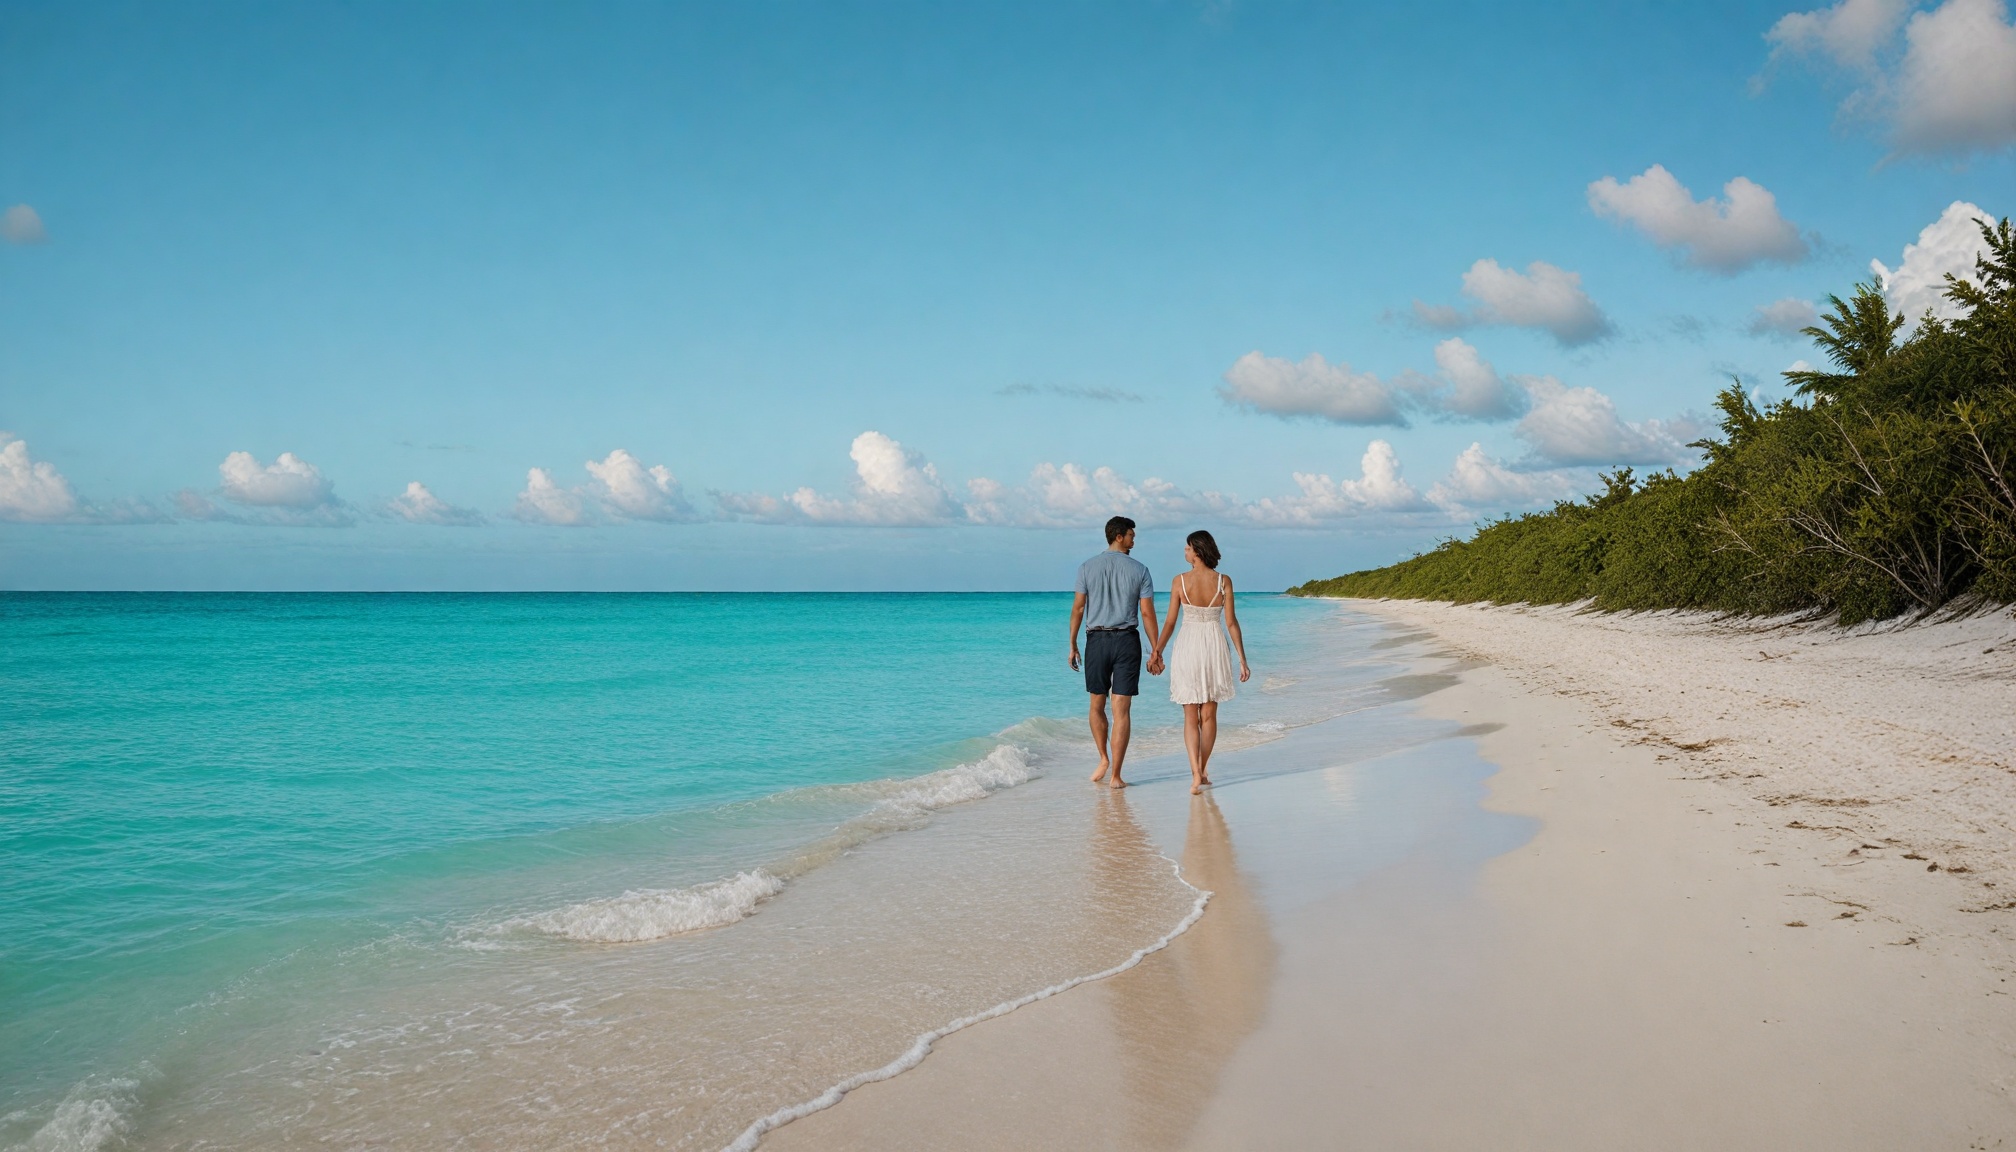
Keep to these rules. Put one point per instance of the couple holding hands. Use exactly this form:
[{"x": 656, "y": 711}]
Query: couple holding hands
[{"x": 1115, "y": 594}]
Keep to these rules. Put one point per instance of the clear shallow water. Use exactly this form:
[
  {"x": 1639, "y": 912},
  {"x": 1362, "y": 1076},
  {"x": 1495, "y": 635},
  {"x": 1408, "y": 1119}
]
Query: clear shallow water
[{"x": 301, "y": 868}]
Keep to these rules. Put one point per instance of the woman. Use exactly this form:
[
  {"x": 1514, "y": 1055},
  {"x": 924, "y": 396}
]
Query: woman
[{"x": 1200, "y": 663}]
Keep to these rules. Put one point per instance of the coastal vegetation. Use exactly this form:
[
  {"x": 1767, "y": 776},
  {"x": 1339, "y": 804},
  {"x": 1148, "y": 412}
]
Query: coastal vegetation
[{"x": 1886, "y": 485}]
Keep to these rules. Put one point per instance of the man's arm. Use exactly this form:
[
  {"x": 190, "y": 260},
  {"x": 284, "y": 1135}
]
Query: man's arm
[
  {"x": 1154, "y": 637},
  {"x": 1077, "y": 618}
]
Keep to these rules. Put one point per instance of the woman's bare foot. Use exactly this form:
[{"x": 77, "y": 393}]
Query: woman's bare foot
[
  {"x": 1196, "y": 789},
  {"x": 1204, "y": 781},
  {"x": 1100, "y": 774},
  {"x": 1119, "y": 783}
]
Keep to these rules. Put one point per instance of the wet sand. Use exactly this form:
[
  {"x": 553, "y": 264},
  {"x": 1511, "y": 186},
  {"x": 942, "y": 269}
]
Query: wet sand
[{"x": 1607, "y": 945}]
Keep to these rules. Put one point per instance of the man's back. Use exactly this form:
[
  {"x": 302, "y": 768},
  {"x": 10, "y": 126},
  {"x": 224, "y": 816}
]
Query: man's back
[{"x": 1114, "y": 584}]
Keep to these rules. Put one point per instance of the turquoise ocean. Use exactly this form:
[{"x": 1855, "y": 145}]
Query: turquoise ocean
[{"x": 546, "y": 870}]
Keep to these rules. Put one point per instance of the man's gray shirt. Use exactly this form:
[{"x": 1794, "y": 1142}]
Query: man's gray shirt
[{"x": 1114, "y": 585}]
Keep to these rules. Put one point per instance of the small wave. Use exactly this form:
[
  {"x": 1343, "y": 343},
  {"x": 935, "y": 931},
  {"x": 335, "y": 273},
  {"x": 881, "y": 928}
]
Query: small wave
[
  {"x": 653, "y": 914},
  {"x": 95, "y": 1114},
  {"x": 753, "y": 1135}
]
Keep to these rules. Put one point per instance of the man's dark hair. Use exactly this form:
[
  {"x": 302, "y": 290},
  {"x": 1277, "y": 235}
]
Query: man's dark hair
[{"x": 1117, "y": 527}]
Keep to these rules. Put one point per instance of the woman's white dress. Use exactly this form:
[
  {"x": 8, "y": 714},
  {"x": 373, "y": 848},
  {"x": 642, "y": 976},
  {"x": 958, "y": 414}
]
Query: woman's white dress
[{"x": 1200, "y": 658}]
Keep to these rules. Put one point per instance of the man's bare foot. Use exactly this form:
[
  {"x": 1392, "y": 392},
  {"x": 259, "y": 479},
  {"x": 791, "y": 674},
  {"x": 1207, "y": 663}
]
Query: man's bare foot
[
  {"x": 1119, "y": 783},
  {"x": 1196, "y": 789},
  {"x": 1100, "y": 774},
  {"x": 1204, "y": 781}
]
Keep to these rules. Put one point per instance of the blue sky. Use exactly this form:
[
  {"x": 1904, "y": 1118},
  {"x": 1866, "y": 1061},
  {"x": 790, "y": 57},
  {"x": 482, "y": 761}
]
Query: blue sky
[{"x": 449, "y": 244}]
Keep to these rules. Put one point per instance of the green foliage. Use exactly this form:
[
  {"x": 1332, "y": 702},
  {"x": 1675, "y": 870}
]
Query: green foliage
[{"x": 1890, "y": 487}]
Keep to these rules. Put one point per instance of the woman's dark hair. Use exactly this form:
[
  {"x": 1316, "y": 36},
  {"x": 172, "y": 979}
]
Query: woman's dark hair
[{"x": 1206, "y": 548}]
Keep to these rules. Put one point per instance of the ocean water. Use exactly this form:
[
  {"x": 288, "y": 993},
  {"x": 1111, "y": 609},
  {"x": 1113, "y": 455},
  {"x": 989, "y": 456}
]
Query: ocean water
[{"x": 544, "y": 870}]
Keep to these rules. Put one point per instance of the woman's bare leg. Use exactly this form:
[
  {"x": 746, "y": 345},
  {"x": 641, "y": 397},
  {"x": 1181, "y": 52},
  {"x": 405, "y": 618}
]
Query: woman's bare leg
[
  {"x": 1193, "y": 741},
  {"x": 1207, "y": 738}
]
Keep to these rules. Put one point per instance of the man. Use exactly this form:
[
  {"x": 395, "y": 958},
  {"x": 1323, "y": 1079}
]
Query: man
[{"x": 1115, "y": 593}]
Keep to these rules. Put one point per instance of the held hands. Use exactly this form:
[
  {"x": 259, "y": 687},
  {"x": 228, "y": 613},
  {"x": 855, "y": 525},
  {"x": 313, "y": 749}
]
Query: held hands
[{"x": 1155, "y": 664}]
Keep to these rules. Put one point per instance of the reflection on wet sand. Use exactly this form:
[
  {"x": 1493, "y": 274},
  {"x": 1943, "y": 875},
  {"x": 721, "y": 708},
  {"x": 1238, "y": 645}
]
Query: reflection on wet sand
[
  {"x": 1124, "y": 1064},
  {"x": 1181, "y": 1014}
]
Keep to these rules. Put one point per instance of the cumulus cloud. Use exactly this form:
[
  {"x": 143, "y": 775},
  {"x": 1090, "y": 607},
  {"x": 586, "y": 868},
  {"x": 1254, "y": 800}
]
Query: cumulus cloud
[
  {"x": 1476, "y": 482},
  {"x": 1786, "y": 319},
  {"x": 1727, "y": 235},
  {"x": 1063, "y": 496},
  {"x": 1464, "y": 386},
  {"x": 32, "y": 490},
  {"x": 1956, "y": 89},
  {"x": 1475, "y": 390},
  {"x": 893, "y": 486},
  {"x": 289, "y": 493},
  {"x": 1950, "y": 86},
  {"x": 623, "y": 485},
  {"x": 1949, "y": 244},
  {"x": 1849, "y": 33},
  {"x": 22, "y": 225},
  {"x": 418, "y": 505},
  {"x": 1313, "y": 387},
  {"x": 545, "y": 502},
  {"x": 288, "y": 482},
  {"x": 1543, "y": 297},
  {"x": 1581, "y": 426}
]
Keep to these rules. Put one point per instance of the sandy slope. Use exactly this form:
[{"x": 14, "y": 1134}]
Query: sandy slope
[
  {"x": 1768, "y": 906},
  {"x": 1875, "y": 742}
]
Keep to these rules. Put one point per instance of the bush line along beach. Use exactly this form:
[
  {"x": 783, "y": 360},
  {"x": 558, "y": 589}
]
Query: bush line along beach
[{"x": 1888, "y": 486}]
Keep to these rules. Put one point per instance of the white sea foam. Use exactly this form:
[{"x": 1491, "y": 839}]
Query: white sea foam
[
  {"x": 95, "y": 1114},
  {"x": 753, "y": 1135},
  {"x": 653, "y": 914}
]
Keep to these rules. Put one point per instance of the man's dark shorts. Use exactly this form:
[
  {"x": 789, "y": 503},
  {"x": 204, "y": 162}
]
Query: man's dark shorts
[{"x": 1113, "y": 662}]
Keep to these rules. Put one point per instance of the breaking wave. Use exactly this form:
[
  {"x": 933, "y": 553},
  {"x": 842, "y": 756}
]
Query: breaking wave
[{"x": 894, "y": 805}]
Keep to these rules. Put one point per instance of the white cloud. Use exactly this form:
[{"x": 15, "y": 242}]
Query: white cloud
[
  {"x": 1727, "y": 235},
  {"x": 1849, "y": 33},
  {"x": 288, "y": 493},
  {"x": 544, "y": 502},
  {"x": 32, "y": 490},
  {"x": 1475, "y": 388},
  {"x": 1314, "y": 387},
  {"x": 418, "y": 505},
  {"x": 288, "y": 482},
  {"x": 892, "y": 487},
  {"x": 1951, "y": 85},
  {"x": 1464, "y": 387},
  {"x": 1476, "y": 482},
  {"x": 1581, "y": 426},
  {"x": 626, "y": 488},
  {"x": 1956, "y": 89},
  {"x": 1544, "y": 297},
  {"x": 1060, "y": 496},
  {"x": 22, "y": 225},
  {"x": 1949, "y": 244},
  {"x": 1066, "y": 495},
  {"x": 1787, "y": 318}
]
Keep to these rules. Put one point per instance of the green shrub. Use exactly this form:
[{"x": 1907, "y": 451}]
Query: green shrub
[{"x": 1890, "y": 487}]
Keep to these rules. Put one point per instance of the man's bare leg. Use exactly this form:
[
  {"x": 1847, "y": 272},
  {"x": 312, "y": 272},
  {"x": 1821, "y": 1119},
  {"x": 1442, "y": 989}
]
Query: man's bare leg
[
  {"x": 1123, "y": 727},
  {"x": 1098, "y": 718}
]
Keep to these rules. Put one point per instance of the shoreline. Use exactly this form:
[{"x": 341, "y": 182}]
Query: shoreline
[{"x": 1667, "y": 961}]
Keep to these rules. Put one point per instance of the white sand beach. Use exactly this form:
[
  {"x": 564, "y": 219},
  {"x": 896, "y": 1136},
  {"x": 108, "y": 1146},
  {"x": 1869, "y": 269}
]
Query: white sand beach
[{"x": 1766, "y": 902}]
